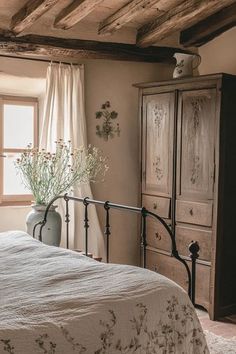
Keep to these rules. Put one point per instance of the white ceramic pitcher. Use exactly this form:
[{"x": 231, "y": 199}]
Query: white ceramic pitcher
[{"x": 185, "y": 64}]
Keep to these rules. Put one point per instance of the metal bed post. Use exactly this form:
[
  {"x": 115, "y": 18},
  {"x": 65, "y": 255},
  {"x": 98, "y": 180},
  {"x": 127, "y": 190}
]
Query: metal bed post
[
  {"x": 144, "y": 236},
  {"x": 67, "y": 220},
  {"x": 107, "y": 229},
  {"x": 194, "y": 249},
  {"x": 86, "y": 224}
]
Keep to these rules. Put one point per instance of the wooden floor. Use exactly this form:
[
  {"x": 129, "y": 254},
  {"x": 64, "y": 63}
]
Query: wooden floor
[{"x": 225, "y": 327}]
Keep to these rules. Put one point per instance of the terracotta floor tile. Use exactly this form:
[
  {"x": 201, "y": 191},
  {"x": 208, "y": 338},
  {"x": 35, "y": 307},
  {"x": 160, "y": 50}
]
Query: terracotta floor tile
[{"x": 225, "y": 327}]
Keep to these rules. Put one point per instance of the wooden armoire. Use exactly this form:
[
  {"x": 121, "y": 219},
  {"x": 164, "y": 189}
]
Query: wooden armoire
[{"x": 188, "y": 175}]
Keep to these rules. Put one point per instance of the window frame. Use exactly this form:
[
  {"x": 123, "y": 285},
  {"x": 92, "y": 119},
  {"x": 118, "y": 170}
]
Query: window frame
[{"x": 24, "y": 199}]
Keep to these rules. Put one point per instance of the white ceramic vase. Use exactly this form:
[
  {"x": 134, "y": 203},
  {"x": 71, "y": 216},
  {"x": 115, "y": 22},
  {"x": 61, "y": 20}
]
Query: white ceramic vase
[
  {"x": 51, "y": 232},
  {"x": 185, "y": 64}
]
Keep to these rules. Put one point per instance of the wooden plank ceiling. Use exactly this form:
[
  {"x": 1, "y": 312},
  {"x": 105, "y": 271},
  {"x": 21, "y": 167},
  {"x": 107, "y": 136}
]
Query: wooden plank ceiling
[{"x": 137, "y": 30}]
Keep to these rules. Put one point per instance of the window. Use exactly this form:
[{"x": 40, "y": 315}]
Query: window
[{"x": 18, "y": 128}]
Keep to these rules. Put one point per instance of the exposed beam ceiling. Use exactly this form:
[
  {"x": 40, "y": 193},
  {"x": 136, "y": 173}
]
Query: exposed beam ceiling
[
  {"x": 198, "y": 21},
  {"x": 75, "y": 12},
  {"x": 211, "y": 27},
  {"x": 178, "y": 18},
  {"x": 29, "y": 14},
  {"x": 124, "y": 15},
  {"x": 58, "y": 48}
]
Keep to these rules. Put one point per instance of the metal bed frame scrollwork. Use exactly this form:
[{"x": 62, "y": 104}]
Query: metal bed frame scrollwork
[{"x": 193, "y": 247}]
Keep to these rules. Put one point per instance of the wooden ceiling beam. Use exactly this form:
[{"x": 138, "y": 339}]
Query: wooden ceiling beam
[
  {"x": 29, "y": 14},
  {"x": 59, "y": 48},
  {"x": 124, "y": 15},
  {"x": 211, "y": 27},
  {"x": 178, "y": 18},
  {"x": 75, "y": 12}
]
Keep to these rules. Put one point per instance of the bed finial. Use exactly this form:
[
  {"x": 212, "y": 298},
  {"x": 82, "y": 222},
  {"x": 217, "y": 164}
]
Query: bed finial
[{"x": 193, "y": 249}]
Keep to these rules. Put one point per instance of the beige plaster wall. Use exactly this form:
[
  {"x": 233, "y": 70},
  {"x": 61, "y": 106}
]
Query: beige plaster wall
[
  {"x": 112, "y": 81},
  {"x": 219, "y": 55},
  {"x": 13, "y": 218}
]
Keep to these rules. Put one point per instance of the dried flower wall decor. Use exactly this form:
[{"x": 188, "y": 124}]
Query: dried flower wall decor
[{"x": 107, "y": 128}]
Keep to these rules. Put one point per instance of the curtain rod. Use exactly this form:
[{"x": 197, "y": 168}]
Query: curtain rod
[{"x": 36, "y": 59}]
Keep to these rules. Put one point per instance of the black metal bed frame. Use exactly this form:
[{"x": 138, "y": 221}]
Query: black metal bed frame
[{"x": 193, "y": 247}]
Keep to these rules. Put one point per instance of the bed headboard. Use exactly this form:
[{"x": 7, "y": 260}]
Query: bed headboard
[{"x": 144, "y": 213}]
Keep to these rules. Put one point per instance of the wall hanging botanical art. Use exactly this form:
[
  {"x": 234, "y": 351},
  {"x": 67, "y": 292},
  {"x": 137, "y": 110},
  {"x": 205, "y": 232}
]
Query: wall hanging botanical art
[{"x": 107, "y": 128}]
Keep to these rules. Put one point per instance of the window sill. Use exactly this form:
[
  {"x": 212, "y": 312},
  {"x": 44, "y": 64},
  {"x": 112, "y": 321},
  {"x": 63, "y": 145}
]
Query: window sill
[{"x": 16, "y": 203}]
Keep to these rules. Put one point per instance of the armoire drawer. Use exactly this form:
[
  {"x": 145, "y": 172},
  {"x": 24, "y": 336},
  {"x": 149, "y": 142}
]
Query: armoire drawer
[
  {"x": 158, "y": 205},
  {"x": 184, "y": 236},
  {"x": 157, "y": 235},
  {"x": 194, "y": 213},
  {"x": 174, "y": 270}
]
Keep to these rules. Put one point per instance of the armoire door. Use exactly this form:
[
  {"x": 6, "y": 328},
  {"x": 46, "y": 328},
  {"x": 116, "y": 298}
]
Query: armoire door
[
  {"x": 196, "y": 134},
  {"x": 157, "y": 144},
  {"x": 196, "y": 144}
]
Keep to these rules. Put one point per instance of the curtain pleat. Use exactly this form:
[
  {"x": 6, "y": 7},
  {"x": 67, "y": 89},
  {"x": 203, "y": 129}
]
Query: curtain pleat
[{"x": 64, "y": 118}]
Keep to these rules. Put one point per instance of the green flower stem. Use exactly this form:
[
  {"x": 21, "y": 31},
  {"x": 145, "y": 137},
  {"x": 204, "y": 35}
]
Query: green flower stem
[{"x": 48, "y": 175}]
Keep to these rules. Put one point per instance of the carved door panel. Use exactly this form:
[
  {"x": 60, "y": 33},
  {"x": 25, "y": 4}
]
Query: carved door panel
[
  {"x": 196, "y": 136},
  {"x": 157, "y": 148}
]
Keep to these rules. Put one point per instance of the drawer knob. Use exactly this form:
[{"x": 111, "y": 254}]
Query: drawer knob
[
  {"x": 155, "y": 206},
  {"x": 191, "y": 212},
  {"x": 158, "y": 236}
]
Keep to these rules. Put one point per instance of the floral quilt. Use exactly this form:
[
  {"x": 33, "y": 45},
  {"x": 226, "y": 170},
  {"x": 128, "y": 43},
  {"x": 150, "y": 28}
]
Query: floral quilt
[{"x": 56, "y": 301}]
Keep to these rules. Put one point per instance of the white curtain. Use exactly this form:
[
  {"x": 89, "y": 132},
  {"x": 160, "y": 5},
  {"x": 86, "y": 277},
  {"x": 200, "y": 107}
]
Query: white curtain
[{"x": 64, "y": 118}]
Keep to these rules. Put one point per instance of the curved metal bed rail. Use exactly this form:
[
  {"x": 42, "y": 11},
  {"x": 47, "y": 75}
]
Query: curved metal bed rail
[{"x": 193, "y": 247}]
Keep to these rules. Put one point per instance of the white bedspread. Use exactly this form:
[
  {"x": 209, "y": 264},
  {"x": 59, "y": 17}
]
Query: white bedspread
[{"x": 56, "y": 301}]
